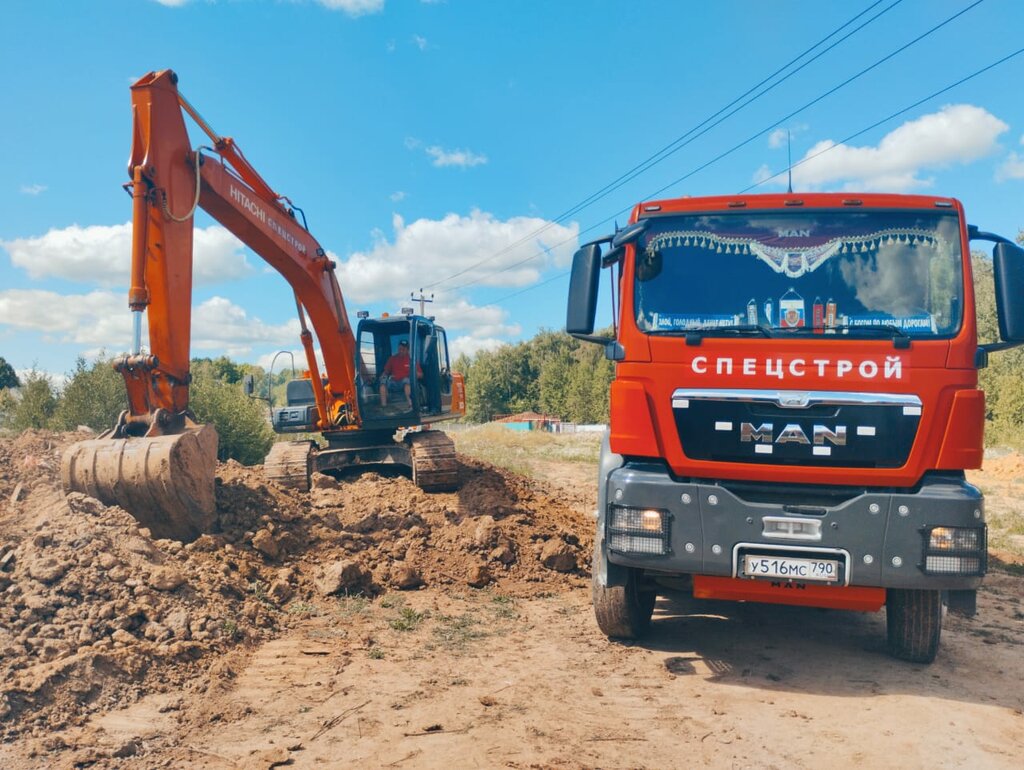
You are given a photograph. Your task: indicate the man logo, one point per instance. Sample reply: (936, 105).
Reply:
(792, 434)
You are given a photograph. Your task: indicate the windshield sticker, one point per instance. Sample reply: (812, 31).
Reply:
(666, 321)
(791, 252)
(920, 322)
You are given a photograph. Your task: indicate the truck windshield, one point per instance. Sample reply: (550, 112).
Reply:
(801, 272)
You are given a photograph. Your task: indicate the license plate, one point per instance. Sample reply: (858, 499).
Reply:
(791, 568)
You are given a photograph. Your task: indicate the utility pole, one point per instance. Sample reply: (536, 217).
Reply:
(423, 300)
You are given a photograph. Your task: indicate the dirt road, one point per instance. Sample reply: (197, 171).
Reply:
(515, 673)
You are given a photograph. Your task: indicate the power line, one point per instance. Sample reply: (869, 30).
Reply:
(894, 115)
(687, 137)
(748, 140)
(852, 136)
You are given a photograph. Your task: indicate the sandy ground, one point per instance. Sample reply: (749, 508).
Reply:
(515, 674)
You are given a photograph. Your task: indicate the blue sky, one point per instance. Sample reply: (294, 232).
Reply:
(436, 144)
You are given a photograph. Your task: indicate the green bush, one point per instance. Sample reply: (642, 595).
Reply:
(241, 422)
(94, 396)
(32, 406)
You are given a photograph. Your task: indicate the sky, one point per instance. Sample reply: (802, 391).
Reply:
(468, 147)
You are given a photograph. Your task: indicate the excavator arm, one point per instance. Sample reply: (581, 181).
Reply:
(170, 181)
(157, 462)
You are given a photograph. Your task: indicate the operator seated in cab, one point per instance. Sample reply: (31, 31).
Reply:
(396, 375)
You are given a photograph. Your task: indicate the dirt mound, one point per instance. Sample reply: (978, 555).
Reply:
(96, 611)
(1008, 467)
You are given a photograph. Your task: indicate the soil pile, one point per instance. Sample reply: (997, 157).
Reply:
(97, 612)
(1008, 467)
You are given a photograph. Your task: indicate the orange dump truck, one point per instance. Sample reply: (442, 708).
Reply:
(795, 403)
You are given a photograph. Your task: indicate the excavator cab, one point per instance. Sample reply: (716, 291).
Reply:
(381, 401)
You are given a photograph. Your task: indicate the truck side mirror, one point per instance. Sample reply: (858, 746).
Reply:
(1008, 270)
(583, 285)
(249, 384)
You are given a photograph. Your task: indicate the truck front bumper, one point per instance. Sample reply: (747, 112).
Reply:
(881, 538)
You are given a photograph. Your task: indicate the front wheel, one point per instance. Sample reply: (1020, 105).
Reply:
(623, 612)
(913, 622)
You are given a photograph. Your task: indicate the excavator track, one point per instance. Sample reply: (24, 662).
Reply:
(434, 465)
(289, 463)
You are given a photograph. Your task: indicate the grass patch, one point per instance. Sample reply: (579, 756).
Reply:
(303, 608)
(457, 631)
(408, 619)
(515, 450)
(504, 607)
(351, 605)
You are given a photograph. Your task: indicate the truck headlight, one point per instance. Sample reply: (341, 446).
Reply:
(955, 551)
(638, 530)
(953, 539)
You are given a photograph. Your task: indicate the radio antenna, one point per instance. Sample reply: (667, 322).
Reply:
(789, 153)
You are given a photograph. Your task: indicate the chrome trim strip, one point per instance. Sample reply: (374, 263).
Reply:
(804, 549)
(797, 399)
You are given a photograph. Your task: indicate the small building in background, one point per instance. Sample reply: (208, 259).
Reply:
(529, 421)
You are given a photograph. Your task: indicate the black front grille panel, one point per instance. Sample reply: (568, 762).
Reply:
(849, 435)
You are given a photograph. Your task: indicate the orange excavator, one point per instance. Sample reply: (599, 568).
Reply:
(158, 462)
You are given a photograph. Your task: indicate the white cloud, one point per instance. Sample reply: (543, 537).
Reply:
(397, 196)
(100, 254)
(959, 133)
(479, 322)
(1012, 167)
(421, 42)
(780, 136)
(461, 158)
(101, 320)
(351, 7)
(429, 250)
(33, 189)
(471, 346)
(354, 7)
(220, 324)
(777, 138)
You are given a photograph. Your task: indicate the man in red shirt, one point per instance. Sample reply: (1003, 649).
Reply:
(396, 374)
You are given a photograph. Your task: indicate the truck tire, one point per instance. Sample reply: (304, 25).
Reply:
(913, 624)
(623, 612)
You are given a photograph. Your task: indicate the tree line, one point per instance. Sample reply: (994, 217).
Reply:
(553, 373)
(94, 395)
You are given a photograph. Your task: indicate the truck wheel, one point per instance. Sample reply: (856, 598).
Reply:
(623, 612)
(913, 623)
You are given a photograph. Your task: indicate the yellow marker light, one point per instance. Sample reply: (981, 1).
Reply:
(651, 521)
(941, 539)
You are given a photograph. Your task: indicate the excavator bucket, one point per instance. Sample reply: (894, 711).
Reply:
(166, 482)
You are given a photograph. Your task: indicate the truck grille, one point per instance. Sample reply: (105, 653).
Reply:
(816, 428)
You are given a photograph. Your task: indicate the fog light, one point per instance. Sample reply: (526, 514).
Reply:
(953, 539)
(638, 530)
(955, 551)
(952, 565)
